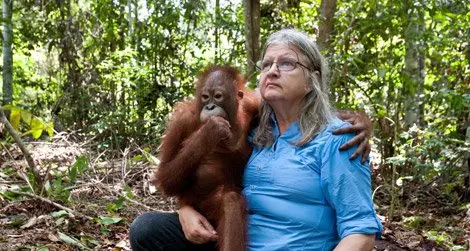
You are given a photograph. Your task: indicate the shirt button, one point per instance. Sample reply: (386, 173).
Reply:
(270, 154)
(252, 187)
(258, 168)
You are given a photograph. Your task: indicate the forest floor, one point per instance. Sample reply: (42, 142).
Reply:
(110, 193)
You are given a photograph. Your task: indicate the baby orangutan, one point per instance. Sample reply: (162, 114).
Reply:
(205, 149)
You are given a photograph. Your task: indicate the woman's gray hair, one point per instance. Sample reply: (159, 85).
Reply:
(317, 111)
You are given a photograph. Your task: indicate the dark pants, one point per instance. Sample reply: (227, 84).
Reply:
(161, 231)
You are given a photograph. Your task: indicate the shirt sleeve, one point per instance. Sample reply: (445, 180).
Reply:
(346, 185)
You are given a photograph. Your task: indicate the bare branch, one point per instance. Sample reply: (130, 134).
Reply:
(71, 211)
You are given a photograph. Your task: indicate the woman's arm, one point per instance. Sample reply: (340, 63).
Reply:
(346, 185)
(359, 242)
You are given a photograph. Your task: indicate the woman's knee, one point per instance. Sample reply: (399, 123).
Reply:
(139, 226)
(148, 224)
(152, 229)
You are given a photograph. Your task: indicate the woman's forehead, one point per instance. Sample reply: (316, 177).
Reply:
(282, 49)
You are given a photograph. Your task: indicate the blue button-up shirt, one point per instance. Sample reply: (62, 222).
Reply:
(309, 197)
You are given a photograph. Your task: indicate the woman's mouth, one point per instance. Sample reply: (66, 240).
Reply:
(270, 84)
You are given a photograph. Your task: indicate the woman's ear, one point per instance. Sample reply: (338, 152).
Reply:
(317, 73)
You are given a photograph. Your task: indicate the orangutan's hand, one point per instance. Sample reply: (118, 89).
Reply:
(362, 126)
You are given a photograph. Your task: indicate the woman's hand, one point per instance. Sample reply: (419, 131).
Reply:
(196, 228)
(362, 126)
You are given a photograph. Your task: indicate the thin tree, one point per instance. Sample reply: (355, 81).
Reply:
(252, 31)
(414, 72)
(7, 53)
(216, 32)
(327, 12)
(8, 86)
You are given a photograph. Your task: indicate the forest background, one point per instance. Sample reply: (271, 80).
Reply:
(88, 87)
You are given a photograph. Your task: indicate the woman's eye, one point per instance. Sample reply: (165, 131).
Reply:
(287, 63)
(266, 65)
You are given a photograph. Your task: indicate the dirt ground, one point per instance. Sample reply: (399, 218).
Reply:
(119, 189)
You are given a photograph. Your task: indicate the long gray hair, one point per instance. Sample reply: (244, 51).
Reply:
(317, 110)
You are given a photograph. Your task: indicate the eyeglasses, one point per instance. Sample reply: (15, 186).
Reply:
(282, 65)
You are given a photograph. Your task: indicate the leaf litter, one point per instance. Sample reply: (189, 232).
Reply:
(115, 190)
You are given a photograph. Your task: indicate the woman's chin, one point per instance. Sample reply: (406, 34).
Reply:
(272, 96)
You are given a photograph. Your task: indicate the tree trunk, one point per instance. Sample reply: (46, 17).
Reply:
(252, 29)
(327, 13)
(414, 72)
(129, 18)
(466, 162)
(7, 53)
(135, 35)
(217, 43)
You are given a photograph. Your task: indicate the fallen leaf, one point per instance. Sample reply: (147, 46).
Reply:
(413, 244)
(152, 189)
(52, 237)
(31, 222)
(122, 245)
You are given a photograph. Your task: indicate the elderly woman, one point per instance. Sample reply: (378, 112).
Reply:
(302, 192)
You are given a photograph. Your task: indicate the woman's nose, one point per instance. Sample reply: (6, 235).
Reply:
(273, 70)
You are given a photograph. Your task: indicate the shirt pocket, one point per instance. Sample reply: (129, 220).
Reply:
(258, 169)
(295, 174)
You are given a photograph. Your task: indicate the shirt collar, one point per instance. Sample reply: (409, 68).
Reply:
(291, 134)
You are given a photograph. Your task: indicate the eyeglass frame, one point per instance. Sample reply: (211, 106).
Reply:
(258, 65)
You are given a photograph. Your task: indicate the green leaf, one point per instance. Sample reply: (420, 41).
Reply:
(8, 195)
(26, 116)
(72, 241)
(47, 187)
(109, 220)
(137, 157)
(119, 202)
(73, 174)
(36, 124)
(8, 107)
(15, 117)
(151, 159)
(128, 191)
(50, 129)
(60, 213)
(36, 127)
(36, 133)
(81, 163)
(89, 239)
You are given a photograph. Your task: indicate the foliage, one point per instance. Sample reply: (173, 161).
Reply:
(114, 70)
(444, 239)
(116, 206)
(431, 155)
(35, 125)
(58, 187)
(368, 60)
